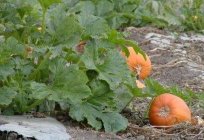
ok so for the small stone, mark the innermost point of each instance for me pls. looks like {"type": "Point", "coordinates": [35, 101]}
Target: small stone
{"type": "Point", "coordinates": [141, 137]}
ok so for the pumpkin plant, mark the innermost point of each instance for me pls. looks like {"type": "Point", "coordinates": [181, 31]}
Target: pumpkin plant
{"type": "Point", "coordinates": [138, 63]}
{"type": "Point", "coordinates": [43, 64]}
{"type": "Point", "coordinates": [40, 64]}
{"type": "Point", "coordinates": [167, 110]}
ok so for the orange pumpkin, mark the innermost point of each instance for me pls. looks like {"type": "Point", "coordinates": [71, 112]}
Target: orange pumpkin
{"type": "Point", "coordinates": [138, 64]}
{"type": "Point", "coordinates": [139, 84]}
{"type": "Point", "coordinates": [167, 110]}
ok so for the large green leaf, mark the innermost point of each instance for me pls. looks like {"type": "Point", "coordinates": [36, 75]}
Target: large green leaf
{"type": "Point", "coordinates": [94, 26]}
{"type": "Point", "coordinates": [101, 9]}
{"type": "Point", "coordinates": [103, 98]}
{"type": "Point", "coordinates": [69, 82]}
{"type": "Point", "coordinates": [5, 71]}
{"type": "Point", "coordinates": [116, 123]}
{"type": "Point", "coordinates": [123, 96]}
{"type": "Point", "coordinates": [116, 20]}
{"type": "Point", "coordinates": [7, 94]}
{"type": "Point", "coordinates": [108, 100]}
{"type": "Point", "coordinates": [81, 111]}
{"type": "Point", "coordinates": [109, 64]}
{"type": "Point", "coordinates": [84, 7]}
{"type": "Point", "coordinates": [62, 27]}
{"type": "Point", "coordinates": [112, 121]}
{"type": "Point", "coordinates": [40, 90]}
{"type": "Point", "coordinates": [9, 48]}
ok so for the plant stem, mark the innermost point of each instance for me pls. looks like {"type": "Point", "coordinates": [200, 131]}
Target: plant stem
{"type": "Point", "coordinates": [42, 63]}
{"type": "Point", "coordinates": [33, 105]}
{"type": "Point", "coordinates": [43, 20]}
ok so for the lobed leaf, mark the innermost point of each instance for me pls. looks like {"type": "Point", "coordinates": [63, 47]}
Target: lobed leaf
{"type": "Point", "coordinates": [95, 117]}
{"type": "Point", "coordinates": [109, 64]}
{"type": "Point", "coordinates": [68, 82]}
{"type": "Point", "coordinates": [7, 94]}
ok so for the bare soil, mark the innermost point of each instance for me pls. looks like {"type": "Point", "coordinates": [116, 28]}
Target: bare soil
{"type": "Point", "coordinates": [178, 62]}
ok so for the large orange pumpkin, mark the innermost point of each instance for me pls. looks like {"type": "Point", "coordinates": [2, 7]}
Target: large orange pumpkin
{"type": "Point", "coordinates": [167, 110]}
{"type": "Point", "coordinates": [138, 64]}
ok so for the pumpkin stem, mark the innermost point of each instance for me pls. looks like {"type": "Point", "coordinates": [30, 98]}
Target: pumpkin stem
{"type": "Point", "coordinates": [164, 111]}
{"type": "Point", "coordinates": [138, 69]}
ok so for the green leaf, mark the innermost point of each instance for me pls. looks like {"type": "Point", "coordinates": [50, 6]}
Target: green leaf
{"type": "Point", "coordinates": [109, 64]}
{"type": "Point", "coordinates": [5, 71]}
{"type": "Point", "coordinates": [2, 29]}
{"type": "Point", "coordinates": [62, 27]}
{"type": "Point", "coordinates": [94, 26]}
{"type": "Point", "coordinates": [124, 95]}
{"type": "Point", "coordinates": [7, 94]}
{"type": "Point", "coordinates": [22, 65]}
{"type": "Point", "coordinates": [103, 98]}
{"type": "Point", "coordinates": [117, 38]}
{"type": "Point", "coordinates": [68, 82]}
{"type": "Point", "coordinates": [95, 117]}
{"type": "Point", "coordinates": [99, 87]}
{"type": "Point", "coordinates": [40, 91]}
{"type": "Point", "coordinates": [104, 7]}
{"type": "Point", "coordinates": [82, 7]}
{"type": "Point", "coordinates": [10, 48]}
{"type": "Point", "coordinates": [116, 123]}
{"type": "Point", "coordinates": [87, 7]}
{"type": "Point", "coordinates": [116, 20]}
{"type": "Point", "coordinates": [81, 111]}
{"type": "Point", "coordinates": [46, 3]}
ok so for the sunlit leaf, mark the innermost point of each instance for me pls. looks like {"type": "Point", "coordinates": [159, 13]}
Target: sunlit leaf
{"type": "Point", "coordinates": [46, 3]}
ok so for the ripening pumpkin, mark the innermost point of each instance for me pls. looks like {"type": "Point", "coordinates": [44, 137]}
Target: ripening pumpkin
{"type": "Point", "coordinates": [167, 110]}
{"type": "Point", "coordinates": [138, 64]}
{"type": "Point", "coordinates": [139, 84]}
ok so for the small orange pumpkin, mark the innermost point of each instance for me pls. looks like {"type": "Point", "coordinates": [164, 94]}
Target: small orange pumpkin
{"type": "Point", "coordinates": [138, 64]}
{"type": "Point", "coordinates": [167, 110]}
{"type": "Point", "coordinates": [139, 84]}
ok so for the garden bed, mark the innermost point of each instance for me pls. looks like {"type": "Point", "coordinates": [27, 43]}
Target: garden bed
{"type": "Point", "coordinates": [177, 60]}
{"type": "Point", "coordinates": [63, 59]}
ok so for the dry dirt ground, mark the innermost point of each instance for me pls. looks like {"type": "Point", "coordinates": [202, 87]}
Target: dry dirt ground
{"type": "Point", "coordinates": [178, 59]}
